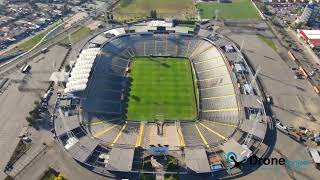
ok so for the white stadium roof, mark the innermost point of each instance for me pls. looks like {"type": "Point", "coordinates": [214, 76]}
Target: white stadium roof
{"type": "Point", "coordinates": [116, 32]}
{"type": "Point", "coordinates": [81, 71]}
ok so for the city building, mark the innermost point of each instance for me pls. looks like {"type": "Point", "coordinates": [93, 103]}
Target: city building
{"type": "Point", "coordinates": [309, 14]}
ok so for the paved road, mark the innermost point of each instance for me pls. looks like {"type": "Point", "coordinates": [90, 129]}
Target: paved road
{"type": "Point", "coordinates": [278, 81]}
{"type": "Point", "coordinates": [15, 104]}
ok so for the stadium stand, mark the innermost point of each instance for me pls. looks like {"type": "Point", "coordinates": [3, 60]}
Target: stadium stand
{"type": "Point", "coordinates": [108, 81]}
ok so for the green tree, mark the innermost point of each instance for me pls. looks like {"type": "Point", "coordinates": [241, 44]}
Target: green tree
{"type": "Point", "coordinates": [153, 14]}
{"type": "Point", "coordinates": [67, 67]}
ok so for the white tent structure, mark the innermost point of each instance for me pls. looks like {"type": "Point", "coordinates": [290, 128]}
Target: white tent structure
{"type": "Point", "coordinates": [59, 77]}
{"type": "Point", "coordinates": [116, 32]}
{"type": "Point", "coordinates": [81, 71]}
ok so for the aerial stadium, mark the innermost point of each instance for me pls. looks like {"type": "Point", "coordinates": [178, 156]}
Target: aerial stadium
{"type": "Point", "coordinates": [139, 94]}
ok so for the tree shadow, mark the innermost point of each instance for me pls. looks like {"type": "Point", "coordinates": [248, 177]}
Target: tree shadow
{"type": "Point", "coordinates": [136, 98]}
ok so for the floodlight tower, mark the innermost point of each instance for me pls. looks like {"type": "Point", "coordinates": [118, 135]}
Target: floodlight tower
{"type": "Point", "coordinates": [254, 78]}
{"type": "Point", "coordinates": [240, 50]}
{"type": "Point", "coordinates": [256, 119]}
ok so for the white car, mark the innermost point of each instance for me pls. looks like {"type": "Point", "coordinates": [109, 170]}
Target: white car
{"type": "Point", "coordinates": [282, 127]}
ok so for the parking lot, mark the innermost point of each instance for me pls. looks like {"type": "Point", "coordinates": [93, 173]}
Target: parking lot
{"type": "Point", "coordinates": [18, 99]}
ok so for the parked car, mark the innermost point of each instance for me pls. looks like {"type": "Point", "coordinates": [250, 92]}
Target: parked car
{"type": "Point", "coordinates": [269, 99]}
{"type": "Point", "coordinates": [295, 136]}
{"type": "Point", "coordinates": [282, 127]}
{"type": "Point", "coordinates": [26, 140]}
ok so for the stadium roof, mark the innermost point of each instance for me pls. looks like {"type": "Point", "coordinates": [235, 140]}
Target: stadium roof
{"type": "Point", "coordinates": [160, 23]}
{"type": "Point", "coordinates": [196, 160]}
{"type": "Point", "coordinates": [311, 36]}
{"type": "Point", "coordinates": [116, 32]}
{"type": "Point", "coordinates": [81, 72]}
{"type": "Point", "coordinates": [121, 159]}
{"type": "Point", "coordinates": [69, 124]}
{"type": "Point", "coordinates": [83, 148]}
{"type": "Point", "coordinates": [99, 40]}
{"type": "Point", "coordinates": [59, 77]}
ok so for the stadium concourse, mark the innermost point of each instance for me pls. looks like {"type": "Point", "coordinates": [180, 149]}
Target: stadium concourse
{"type": "Point", "coordinates": [91, 123]}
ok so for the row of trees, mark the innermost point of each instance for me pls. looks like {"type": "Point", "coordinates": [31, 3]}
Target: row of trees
{"type": "Point", "coordinates": [153, 14]}
{"type": "Point", "coordinates": [34, 114]}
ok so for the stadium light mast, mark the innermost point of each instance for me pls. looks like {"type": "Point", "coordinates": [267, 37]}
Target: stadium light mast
{"type": "Point", "coordinates": [240, 50]}
{"type": "Point", "coordinates": [254, 79]}
{"type": "Point", "coordinates": [256, 119]}
{"type": "Point", "coordinates": [241, 45]}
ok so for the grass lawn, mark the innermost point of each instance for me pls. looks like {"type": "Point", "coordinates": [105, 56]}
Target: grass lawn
{"type": "Point", "coordinates": [187, 25]}
{"type": "Point", "coordinates": [21, 149]}
{"type": "Point", "coordinates": [135, 9]}
{"type": "Point", "coordinates": [25, 46]}
{"type": "Point", "coordinates": [28, 44]}
{"type": "Point", "coordinates": [237, 10]}
{"type": "Point", "coordinates": [77, 35]}
{"type": "Point", "coordinates": [268, 41]}
{"type": "Point", "coordinates": [161, 88]}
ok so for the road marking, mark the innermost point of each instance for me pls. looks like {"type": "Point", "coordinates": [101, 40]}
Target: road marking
{"type": "Point", "coordinates": [166, 135]}
{"type": "Point", "coordinates": [119, 134]}
{"type": "Point", "coordinates": [221, 110]}
{"type": "Point", "coordinates": [181, 138]}
{"type": "Point", "coordinates": [139, 139]}
{"type": "Point", "coordinates": [201, 136]}
{"type": "Point", "coordinates": [214, 132]}
{"type": "Point", "coordinates": [101, 121]}
{"type": "Point", "coordinates": [220, 97]}
{"type": "Point", "coordinates": [102, 132]}
{"type": "Point", "coordinates": [97, 122]}
{"type": "Point", "coordinates": [150, 135]}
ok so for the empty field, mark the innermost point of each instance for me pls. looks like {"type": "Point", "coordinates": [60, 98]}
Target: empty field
{"type": "Point", "coordinates": [162, 88]}
{"type": "Point", "coordinates": [236, 10]}
{"type": "Point", "coordinates": [77, 35]}
{"type": "Point", "coordinates": [135, 9]}
{"type": "Point", "coordinates": [268, 41]}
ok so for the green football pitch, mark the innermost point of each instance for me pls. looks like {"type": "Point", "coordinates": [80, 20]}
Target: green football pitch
{"type": "Point", "coordinates": [136, 9]}
{"type": "Point", "coordinates": [237, 10]}
{"type": "Point", "coordinates": [161, 89]}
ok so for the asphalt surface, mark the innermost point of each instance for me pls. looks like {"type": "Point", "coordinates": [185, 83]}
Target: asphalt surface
{"type": "Point", "coordinates": [18, 99]}
{"type": "Point", "coordinates": [278, 81]}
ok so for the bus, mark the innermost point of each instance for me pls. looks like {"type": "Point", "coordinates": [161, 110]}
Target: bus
{"type": "Point", "coordinates": [26, 68]}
